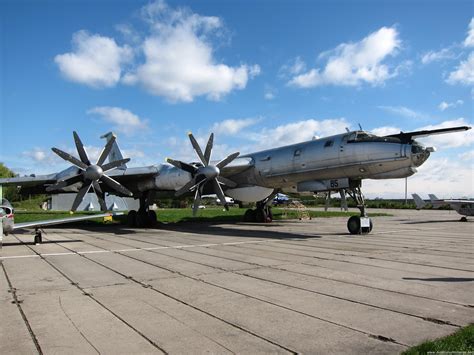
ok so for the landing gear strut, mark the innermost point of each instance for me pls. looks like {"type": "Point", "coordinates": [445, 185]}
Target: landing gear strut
{"type": "Point", "coordinates": [263, 211]}
{"type": "Point", "coordinates": [144, 217]}
{"type": "Point", "coordinates": [359, 224]}
{"type": "Point", "coordinates": [38, 236]}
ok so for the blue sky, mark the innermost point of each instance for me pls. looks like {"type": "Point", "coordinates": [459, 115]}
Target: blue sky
{"type": "Point", "coordinates": [258, 73]}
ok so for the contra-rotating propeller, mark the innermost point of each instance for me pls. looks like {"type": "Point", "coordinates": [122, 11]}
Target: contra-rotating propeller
{"type": "Point", "coordinates": [206, 174]}
{"type": "Point", "coordinates": [90, 174]}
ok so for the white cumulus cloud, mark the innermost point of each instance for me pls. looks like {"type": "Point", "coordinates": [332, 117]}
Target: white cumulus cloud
{"type": "Point", "coordinates": [179, 57]}
{"type": "Point", "coordinates": [123, 120]}
{"type": "Point", "coordinates": [95, 61]}
{"type": "Point", "coordinates": [232, 126]}
{"type": "Point", "coordinates": [296, 132]}
{"type": "Point", "coordinates": [464, 73]}
{"type": "Point", "coordinates": [351, 64]}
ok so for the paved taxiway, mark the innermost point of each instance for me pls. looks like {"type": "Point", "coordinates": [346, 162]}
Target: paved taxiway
{"type": "Point", "coordinates": [292, 286]}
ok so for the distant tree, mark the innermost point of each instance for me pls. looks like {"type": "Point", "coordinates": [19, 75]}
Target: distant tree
{"type": "Point", "coordinates": [9, 192]}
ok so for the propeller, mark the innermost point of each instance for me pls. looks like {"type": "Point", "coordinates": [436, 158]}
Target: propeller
{"type": "Point", "coordinates": [90, 174]}
{"type": "Point", "coordinates": [205, 174]}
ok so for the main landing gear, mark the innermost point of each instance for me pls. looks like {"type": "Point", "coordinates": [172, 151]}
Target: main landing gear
{"type": "Point", "coordinates": [144, 217]}
{"type": "Point", "coordinates": [38, 236]}
{"type": "Point", "coordinates": [359, 224]}
{"type": "Point", "coordinates": [262, 212]}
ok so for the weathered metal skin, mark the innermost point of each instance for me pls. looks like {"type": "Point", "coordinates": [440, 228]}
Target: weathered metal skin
{"type": "Point", "coordinates": [334, 157]}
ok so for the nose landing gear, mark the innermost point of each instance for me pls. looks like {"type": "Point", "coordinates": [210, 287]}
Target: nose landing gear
{"type": "Point", "coordinates": [359, 224]}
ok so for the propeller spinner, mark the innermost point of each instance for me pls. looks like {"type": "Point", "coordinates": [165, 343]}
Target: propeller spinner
{"type": "Point", "coordinates": [206, 174]}
{"type": "Point", "coordinates": [91, 174]}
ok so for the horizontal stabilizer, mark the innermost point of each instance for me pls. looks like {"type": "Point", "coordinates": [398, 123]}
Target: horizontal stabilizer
{"type": "Point", "coordinates": [407, 137]}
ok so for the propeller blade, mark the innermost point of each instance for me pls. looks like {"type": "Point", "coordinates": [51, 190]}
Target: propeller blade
{"type": "Point", "coordinates": [227, 160]}
{"type": "Point", "coordinates": [106, 151]}
{"type": "Point", "coordinates": [219, 193]}
{"type": "Point", "coordinates": [80, 149]}
{"type": "Point", "coordinates": [97, 188]}
{"type": "Point", "coordinates": [182, 165]}
{"type": "Point", "coordinates": [114, 164]}
{"type": "Point", "coordinates": [226, 181]}
{"type": "Point", "coordinates": [197, 201]}
{"type": "Point", "coordinates": [80, 196]}
{"type": "Point", "coordinates": [197, 148]}
{"type": "Point", "coordinates": [63, 183]}
{"type": "Point", "coordinates": [186, 188]}
{"type": "Point", "coordinates": [207, 152]}
{"type": "Point", "coordinates": [70, 158]}
{"type": "Point", "coordinates": [116, 186]}
{"type": "Point", "coordinates": [100, 195]}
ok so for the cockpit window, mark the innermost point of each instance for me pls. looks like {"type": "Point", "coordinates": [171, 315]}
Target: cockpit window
{"type": "Point", "coordinates": [5, 211]}
{"type": "Point", "coordinates": [361, 136]}
{"type": "Point", "coordinates": [328, 144]}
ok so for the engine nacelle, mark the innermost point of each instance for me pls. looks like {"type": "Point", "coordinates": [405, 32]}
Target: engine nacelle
{"type": "Point", "coordinates": [171, 178]}
{"type": "Point", "coordinates": [249, 194]}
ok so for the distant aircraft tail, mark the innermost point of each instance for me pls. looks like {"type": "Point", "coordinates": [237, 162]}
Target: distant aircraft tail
{"type": "Point", "coordinates": [436, 202]}
{"type": "Point", "coordinates": [418, 201]}
{"type": "Point", "coordinates": [115, 153]}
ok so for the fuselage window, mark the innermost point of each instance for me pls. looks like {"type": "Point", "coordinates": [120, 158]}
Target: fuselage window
{"type": "Point", "coordinates": [328, 144]}
{"type": "Point", "coordinates": [297, 153]}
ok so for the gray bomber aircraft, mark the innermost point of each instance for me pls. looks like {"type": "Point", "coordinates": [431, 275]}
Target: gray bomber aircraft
{"type": "Point", "coordinates": [335, 163]}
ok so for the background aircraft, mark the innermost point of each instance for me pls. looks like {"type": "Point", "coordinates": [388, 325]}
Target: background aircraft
{"type": "Point", "coordinates": [8, 225]}
{"type": "Point", "coordinates": [332, 163]}
{"type": "Point", "coordinates": [463, 207]}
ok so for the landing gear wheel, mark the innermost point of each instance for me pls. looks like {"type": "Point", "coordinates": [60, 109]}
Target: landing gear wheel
{"type": "Point", "coordinates": [142, 219]}
{"type": "Point", "coordinates": [250, 216]}
{"type": "Point", "coordinates": [151, 218]}
{"type": "Point", "coordinates": [353, 225]}
{"type": "Point", "coordinates": [132, 218]}
{"type": "Point", "coordinates": [463, 219]}
{"type": "Point", "coordinates": [261, 216]}
{"type": "Point", "coordinates": [38, 237]}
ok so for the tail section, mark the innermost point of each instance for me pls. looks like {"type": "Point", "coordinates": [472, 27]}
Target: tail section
{"type": "Point", "coordinates": [418, 201]}
{"type": "Point", "coordinates": [433, 198]}
{"type": "Point", "coordinates": [115, 153]}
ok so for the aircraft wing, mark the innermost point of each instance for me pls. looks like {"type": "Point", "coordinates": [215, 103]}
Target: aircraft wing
{"type": "Point", "coordinates": [407, 137]}
{"type": "Point", "coordinates": [62, 220]}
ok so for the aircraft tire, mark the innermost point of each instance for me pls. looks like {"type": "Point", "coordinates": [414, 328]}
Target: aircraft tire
{"type": "Point", "coordinates": [353, 225]}
{"type": "Point", "coordinates": [132, 218]}
{"type": "Point", "coordinates": [463, 219]}
{"type": "Point", "coordinates": [142, 220]}
{"type": "Point", "coordinates": [250, 215]}
{"type": "Point", "coordinates": [261, 216]}
{"type": "Point", "coordinates": [152, 218]}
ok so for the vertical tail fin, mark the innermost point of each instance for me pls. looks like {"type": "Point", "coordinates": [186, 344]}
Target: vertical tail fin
{"type": "Point", "coordinates": [115, 154]}
{"type": "Point", "coordinates": [418, 201]}
{"type": "Point", "coordinates": [433, 197]}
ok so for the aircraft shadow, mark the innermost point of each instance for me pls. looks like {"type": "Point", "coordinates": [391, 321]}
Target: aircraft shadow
{"type": "Point", "coordinates": [441, 279]}
{"type": "Point", "coordinates": [217, 229]}
{"type": "Point", "coordinates": [7, 244]}
{"type": "Point", "coordinates": [433, 221]}
{"type": "Point", "coordinates": [212, 228]}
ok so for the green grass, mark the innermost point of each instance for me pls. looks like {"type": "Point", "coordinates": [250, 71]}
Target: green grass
{"type": "Point", "coordinates": [175, 215]}
{"type": "Point", "coordinates": [461, 341]}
